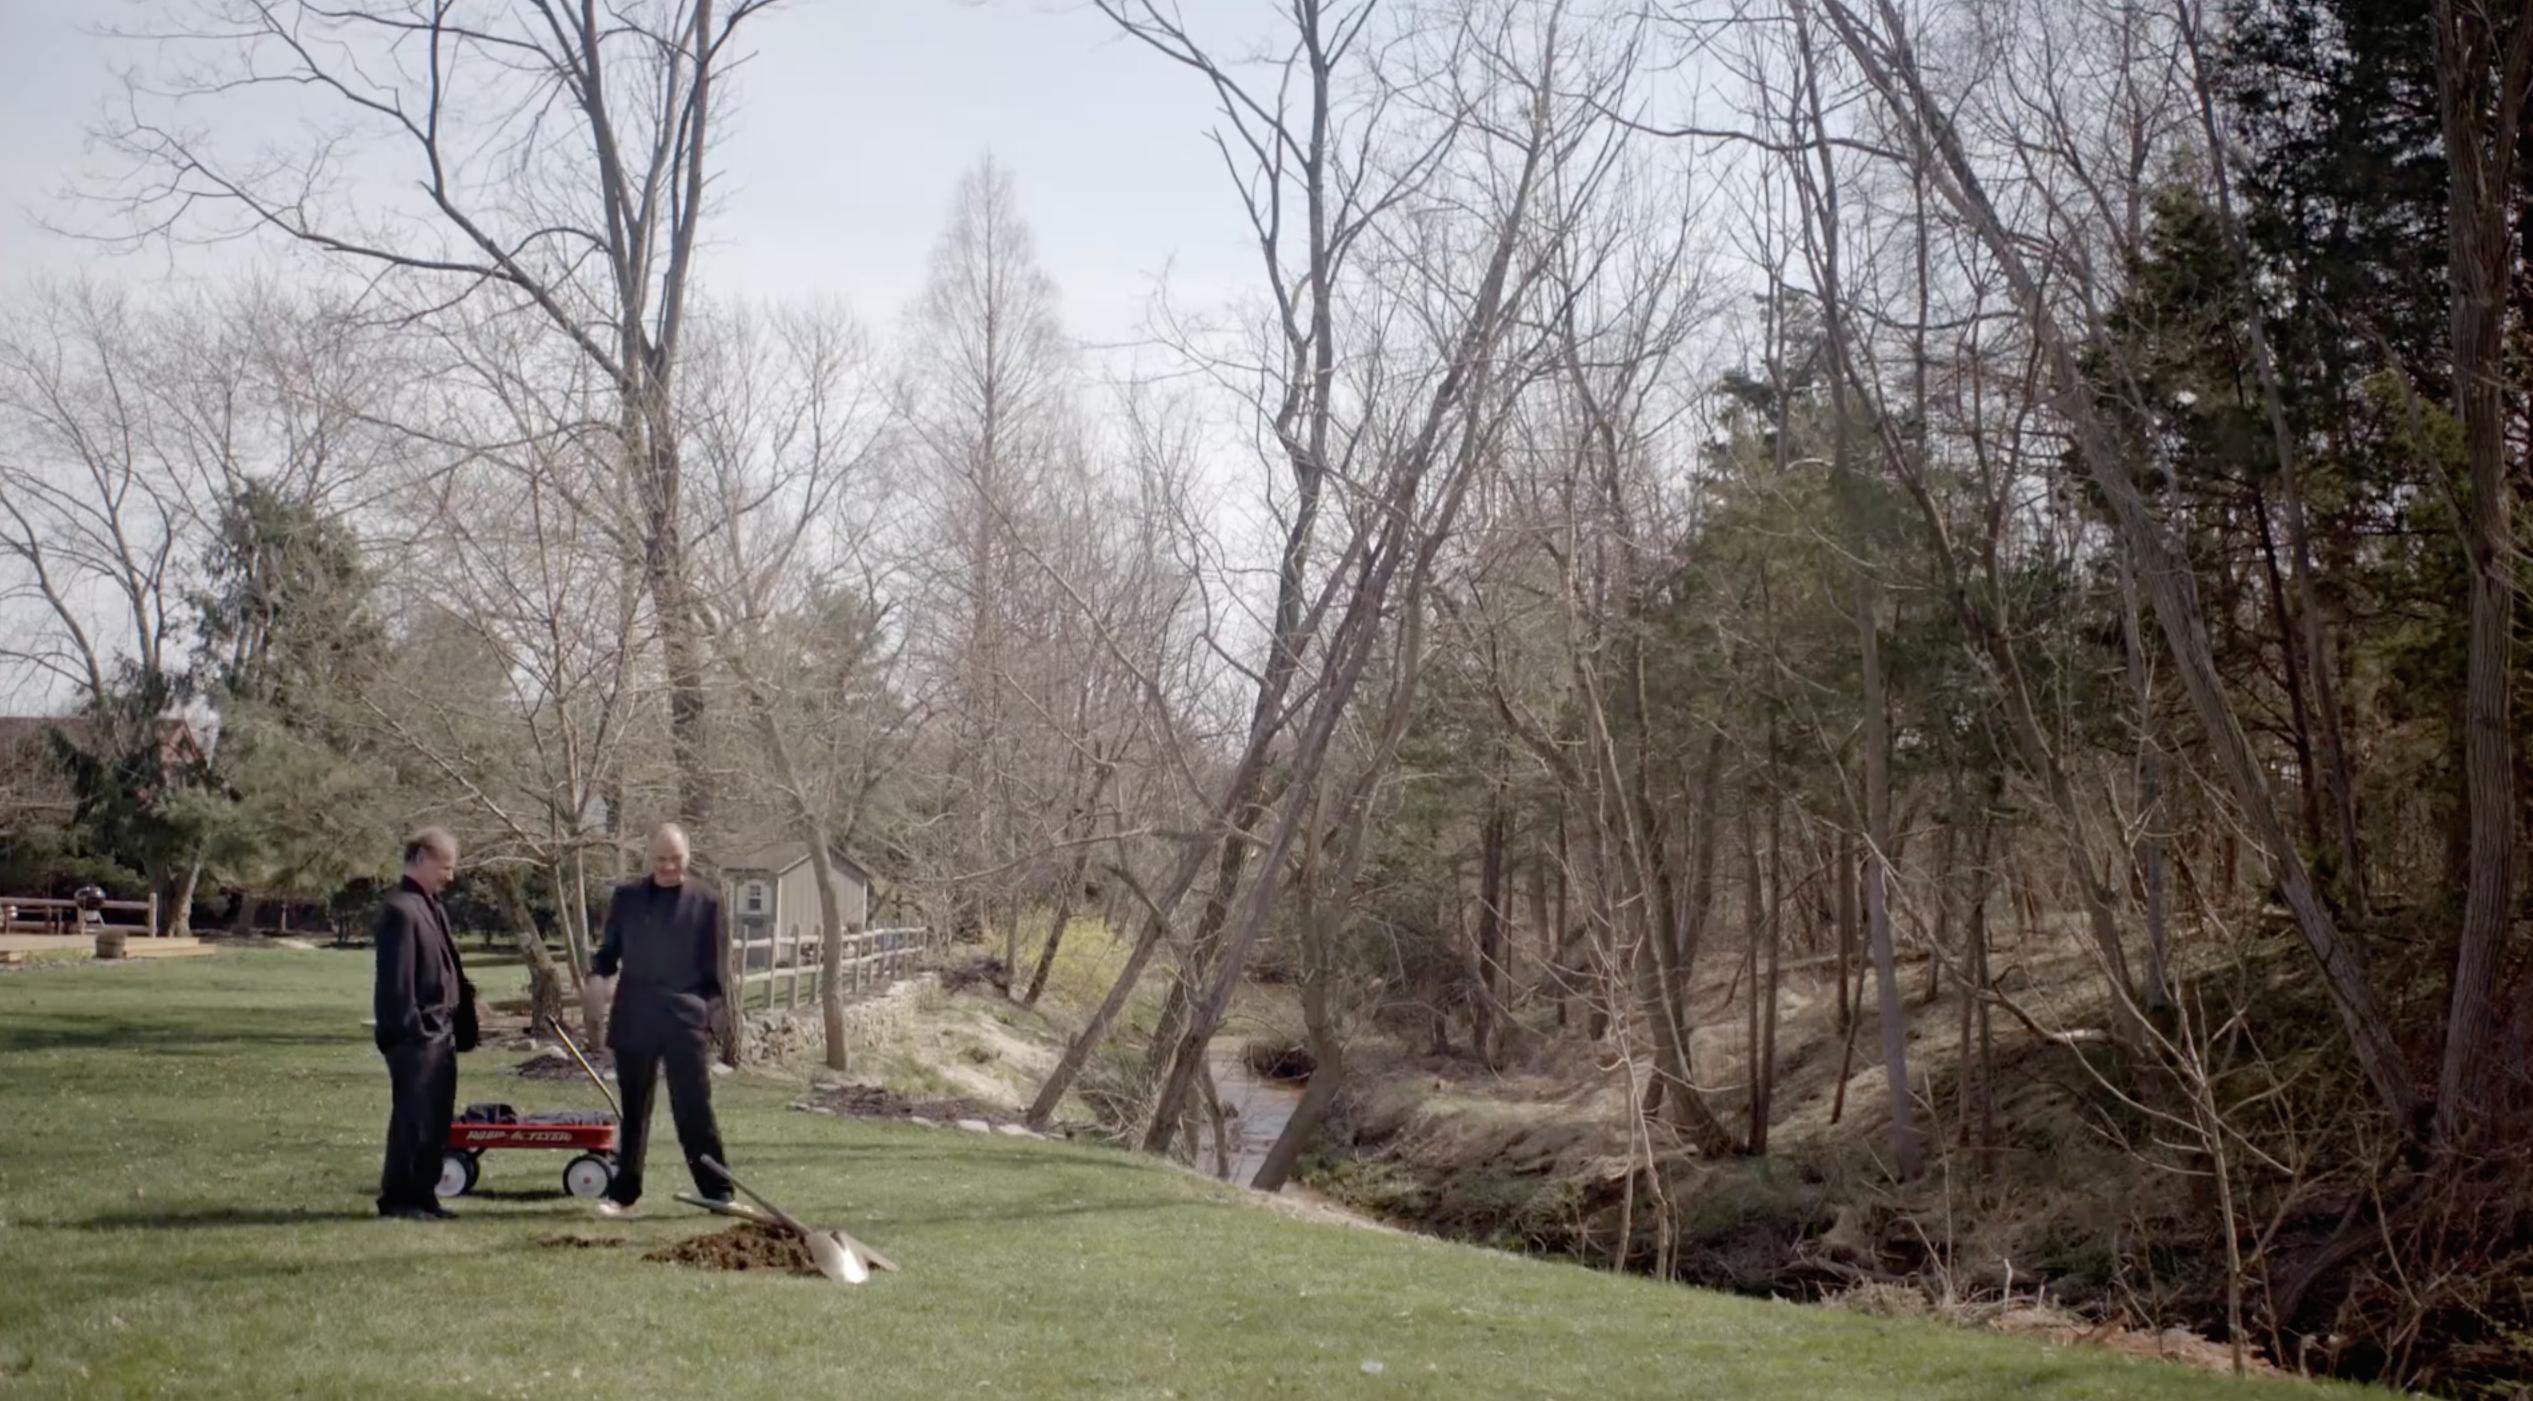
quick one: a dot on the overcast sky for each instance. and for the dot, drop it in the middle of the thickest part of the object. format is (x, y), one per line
(855, 121)
(856, 118)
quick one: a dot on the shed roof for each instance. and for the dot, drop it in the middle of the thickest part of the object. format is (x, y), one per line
(779, 857)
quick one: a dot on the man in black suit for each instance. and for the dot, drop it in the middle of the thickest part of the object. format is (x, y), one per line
(664, 945)
(425, 1014)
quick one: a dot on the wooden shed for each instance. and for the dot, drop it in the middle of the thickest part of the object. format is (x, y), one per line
(773, 902)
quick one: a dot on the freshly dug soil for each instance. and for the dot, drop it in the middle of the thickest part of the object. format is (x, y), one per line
(976, 971)
(746, 1246)
(879, 1102)
(983, 970)
(560, 1067)
(572, 1242)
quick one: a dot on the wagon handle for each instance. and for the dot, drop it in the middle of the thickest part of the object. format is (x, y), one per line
(583, 1062)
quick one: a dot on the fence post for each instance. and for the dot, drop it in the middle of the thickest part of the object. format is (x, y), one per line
(153, 930)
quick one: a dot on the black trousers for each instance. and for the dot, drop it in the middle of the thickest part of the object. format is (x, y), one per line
(422, 1080)
(688, 1061)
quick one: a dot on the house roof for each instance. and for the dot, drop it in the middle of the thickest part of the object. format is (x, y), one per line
(779, 857)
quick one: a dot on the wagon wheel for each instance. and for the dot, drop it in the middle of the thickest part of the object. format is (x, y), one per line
(588, 1175)
(458, 1173)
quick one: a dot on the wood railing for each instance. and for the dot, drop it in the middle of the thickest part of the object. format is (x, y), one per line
(873, 960)
(37, 915)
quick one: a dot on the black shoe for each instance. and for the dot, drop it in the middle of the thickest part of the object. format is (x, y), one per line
(437, 1212)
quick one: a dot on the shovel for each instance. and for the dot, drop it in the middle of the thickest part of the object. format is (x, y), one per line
(837, 1254)
(743, 1212)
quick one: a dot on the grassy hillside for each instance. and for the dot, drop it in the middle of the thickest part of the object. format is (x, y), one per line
(184, 1209)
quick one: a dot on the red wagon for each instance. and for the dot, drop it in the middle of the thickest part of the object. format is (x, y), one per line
(484, 1127)
(590, 1138)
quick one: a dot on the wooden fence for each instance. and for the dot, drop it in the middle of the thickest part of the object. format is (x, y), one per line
(783, 971)
(27, 914)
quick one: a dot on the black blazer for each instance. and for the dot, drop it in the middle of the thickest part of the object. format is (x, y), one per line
(665, 949)
(421, 994)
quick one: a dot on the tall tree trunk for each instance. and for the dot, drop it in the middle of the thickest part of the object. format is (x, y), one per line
(830, 946)
(1908, 1150)
(1548, 932)
(1065, 900)
(1844, 875)
(1941, 882)
(2482, 70)
(1493, 894)
(1755, 920)
(2292, 671)
(1318, 920)
(545, 981)
(1196, 961)
(570, 885)
(1327, 1079)
(179, 902)
(1978, 1073)
(1847, 1041)
(2149, 845)
(1077, 1052)
(1705, 829)
(1056, 924)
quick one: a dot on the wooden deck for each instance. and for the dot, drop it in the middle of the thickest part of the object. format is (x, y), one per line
(23, 948)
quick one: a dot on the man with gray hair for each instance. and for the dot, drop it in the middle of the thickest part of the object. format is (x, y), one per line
(664, 945)
(423, 1008)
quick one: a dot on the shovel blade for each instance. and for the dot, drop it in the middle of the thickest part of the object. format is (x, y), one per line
(836, 1260)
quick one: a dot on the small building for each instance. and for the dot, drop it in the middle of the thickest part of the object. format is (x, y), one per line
(773, 902)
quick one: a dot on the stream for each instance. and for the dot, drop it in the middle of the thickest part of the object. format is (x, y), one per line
(1260, 1109)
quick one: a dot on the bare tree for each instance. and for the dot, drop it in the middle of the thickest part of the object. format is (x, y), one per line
(787, 421)
(1312, 194)
(558, 156)
(1428, 444)
(988, 406)
(516, 703)
(1883, 51)
(106, 500)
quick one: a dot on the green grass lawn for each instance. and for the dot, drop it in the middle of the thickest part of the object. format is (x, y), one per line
(188, 1148)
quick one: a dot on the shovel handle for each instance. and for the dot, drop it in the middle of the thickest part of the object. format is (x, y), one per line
(778, 1213)
(739, 1211)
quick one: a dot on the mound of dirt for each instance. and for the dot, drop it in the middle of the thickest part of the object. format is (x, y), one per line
(880, 1102)
(742, 1247)
(969, 974)
(555, 1063)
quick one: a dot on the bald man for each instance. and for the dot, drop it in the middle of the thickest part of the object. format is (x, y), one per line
(424, 1011)
(664, 945)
